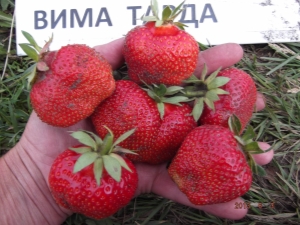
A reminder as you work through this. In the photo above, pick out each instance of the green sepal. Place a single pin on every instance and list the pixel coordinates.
(176, 100)
(123, 137)
(107, 142)
(218, 82)
(167, 12)
(112, 166)
(154, 7)
(148, 18)
(31, 40)
(30, 75)
(212, 95)
(98, 170)
(256, 169)
(85, 160)
(198, 108)
(249, 134)
(235, 124)
(84, 138)
(124, 150)
(177, 10)
(97, 139)
(30, 51)
(173, 90)
(158, 23)
(209, 103)
(161, 109)
(121, 161)
(253, 148)
(81, 150)
(212, 76)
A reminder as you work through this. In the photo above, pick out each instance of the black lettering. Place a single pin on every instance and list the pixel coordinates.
(107, 18)
(62, 16)
(211, 14)
(74, 13)
(40, 17)
(134, 8)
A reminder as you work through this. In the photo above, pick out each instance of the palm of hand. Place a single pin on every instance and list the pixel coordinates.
(43, 143)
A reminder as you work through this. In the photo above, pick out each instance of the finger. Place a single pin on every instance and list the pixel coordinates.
(164, 186)
(112, 51)
(263, 158)
(224, 55)
(260, 102)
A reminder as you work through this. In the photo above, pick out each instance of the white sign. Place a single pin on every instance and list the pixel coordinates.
(211, 22)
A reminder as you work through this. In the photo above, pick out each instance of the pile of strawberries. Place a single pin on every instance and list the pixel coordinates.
(162, 113)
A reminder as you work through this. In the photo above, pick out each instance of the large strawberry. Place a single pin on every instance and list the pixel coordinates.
(210, 166)
(92, 179)
(160, 51)
(240, 100)
(160, 126)
(69, 83)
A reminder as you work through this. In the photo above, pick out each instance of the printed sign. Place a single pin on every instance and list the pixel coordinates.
(211, 22)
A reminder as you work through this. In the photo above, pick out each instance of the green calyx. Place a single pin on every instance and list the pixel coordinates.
(104, 154)
(205, 90)
(35, 52)
(247, 144)
(163, 94)
(168, 15)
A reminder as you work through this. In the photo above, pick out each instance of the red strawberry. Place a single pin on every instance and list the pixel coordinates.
(70, 83)
(156, 138)
(92, 179)
(210, 167)
(240, 101)
(160, 52)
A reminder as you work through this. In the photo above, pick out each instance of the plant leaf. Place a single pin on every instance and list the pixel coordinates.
(85, 160)
(113, 167)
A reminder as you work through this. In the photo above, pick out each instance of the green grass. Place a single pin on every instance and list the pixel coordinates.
(276, 71)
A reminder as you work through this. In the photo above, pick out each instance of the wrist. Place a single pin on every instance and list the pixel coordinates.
(25, 192)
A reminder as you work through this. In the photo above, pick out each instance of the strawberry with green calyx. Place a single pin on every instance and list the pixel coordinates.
(160, 52)
(210, 167)
(240, 101)
(93, 178)
(204, 91)
(67, 84)
(158, 134)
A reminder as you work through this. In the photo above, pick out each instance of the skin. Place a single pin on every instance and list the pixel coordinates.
(25, 168)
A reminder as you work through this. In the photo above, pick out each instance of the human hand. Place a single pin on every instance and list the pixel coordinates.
(41, 144)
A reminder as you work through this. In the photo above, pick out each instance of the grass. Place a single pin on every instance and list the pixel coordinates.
(274, 199)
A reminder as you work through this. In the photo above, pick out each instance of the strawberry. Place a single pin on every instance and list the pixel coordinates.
(211, 165)
(160, 126)
(160, 51)
(69, 83)
(91, 178)
(240, 101)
